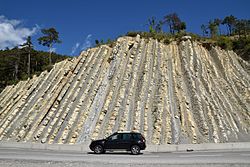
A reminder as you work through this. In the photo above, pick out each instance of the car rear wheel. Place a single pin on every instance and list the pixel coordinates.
(135, 150)
(98, 149)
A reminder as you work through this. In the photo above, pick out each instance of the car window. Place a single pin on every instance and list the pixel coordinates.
(126, 136)
(115, 137)
(136, 136)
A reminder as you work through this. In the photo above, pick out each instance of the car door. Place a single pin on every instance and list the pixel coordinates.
(113, 142)
(125, 141)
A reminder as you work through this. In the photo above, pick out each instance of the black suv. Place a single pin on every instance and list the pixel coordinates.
(129, 141)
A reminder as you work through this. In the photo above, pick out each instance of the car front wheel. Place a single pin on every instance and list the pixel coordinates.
(98, 149)
(135, 150)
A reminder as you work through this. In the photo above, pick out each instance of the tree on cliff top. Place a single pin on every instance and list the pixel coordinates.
(213, 27)
(28, 46)
(154, 25)
(174, 23)
(230, 21)
(51, 37)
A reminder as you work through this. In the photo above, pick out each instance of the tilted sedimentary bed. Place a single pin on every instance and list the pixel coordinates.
(176, 93)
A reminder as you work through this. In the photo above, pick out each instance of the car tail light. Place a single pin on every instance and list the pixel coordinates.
(143, 139)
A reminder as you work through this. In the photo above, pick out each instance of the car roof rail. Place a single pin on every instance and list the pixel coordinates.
(128, 131)
(123, 131)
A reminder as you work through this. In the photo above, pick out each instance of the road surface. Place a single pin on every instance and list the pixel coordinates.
(47, 158)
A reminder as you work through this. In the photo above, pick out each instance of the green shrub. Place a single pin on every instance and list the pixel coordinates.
(241, 43)
(160, 36)
(132, 34)
(166, 41)
(242, 47)
(111, 43)
(196, 37)
(224, 42)
(179, 35)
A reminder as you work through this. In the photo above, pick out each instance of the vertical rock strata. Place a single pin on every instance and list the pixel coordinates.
(176, 93)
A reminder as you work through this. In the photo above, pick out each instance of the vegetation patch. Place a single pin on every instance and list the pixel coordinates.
(14, 64)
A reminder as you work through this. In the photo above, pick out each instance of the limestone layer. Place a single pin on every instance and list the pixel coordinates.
(176, 93)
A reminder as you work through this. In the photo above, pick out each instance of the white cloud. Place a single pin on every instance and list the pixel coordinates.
(74, 48)
(11, 34)
(12, 22)
(83, 46)
(87, 42)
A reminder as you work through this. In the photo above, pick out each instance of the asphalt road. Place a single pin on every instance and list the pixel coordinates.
(32, 158)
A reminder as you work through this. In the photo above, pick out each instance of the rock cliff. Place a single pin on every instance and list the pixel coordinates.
(176, 93)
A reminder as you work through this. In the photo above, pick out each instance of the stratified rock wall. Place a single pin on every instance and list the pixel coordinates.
(176, 93)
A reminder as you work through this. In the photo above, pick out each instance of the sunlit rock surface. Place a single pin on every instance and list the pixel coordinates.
(172, 94)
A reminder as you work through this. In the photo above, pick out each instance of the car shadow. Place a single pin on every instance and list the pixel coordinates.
(113, 153)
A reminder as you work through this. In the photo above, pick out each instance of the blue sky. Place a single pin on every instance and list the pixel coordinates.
(80, 22)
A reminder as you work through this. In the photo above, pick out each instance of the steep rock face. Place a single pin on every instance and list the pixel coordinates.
(176, 93)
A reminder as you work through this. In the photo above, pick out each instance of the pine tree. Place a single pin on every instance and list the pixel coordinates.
(174, 23)
(28, 46)
(230, 21)
(204, 30)
(51, 37)
(213, 27)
